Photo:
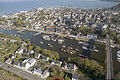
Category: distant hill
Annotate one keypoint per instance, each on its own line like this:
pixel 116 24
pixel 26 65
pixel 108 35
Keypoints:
pixel 112 0
pixel 116 7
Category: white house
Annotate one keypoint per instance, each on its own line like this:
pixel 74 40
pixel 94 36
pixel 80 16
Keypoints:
pixel 9 61
pixel 30 63
pixel 37 55
pixel 12 40
pixel 31 51
pixel 44 58
pixel 45 74
pixel 38 71
pixel 58 63
pixel 20 50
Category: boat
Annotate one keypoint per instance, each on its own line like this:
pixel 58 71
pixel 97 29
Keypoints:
pixel 53 39
pixel 50 45
pixel 46 37
pixel 60 41
pixel 68 50
pixel 77 49
pixel 85 48
pixel 118 58
pixel 80 42
pixel 96 50
pixel 19 35
pixel 83 56
pixel 118 54
pixel 41 42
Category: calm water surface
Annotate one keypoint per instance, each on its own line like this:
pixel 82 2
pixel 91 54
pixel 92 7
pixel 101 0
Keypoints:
pixel 12 7
pixel 56 46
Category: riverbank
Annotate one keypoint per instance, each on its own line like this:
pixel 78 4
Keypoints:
pixel 21 30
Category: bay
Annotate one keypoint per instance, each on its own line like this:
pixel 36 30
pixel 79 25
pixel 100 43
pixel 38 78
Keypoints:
pixel 8 7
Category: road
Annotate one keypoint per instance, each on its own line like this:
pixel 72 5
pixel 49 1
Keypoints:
pixel 19 72
pixel 109 64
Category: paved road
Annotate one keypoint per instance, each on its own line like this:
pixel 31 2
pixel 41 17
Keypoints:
pixel 109 64
pixel 19 72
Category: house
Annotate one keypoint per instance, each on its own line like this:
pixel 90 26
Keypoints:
pixel 20 50
pixel 105 26
pixel 44 58
pixel 70 67
pixel 58 63
pixel 75 77
pixel 9 61
pixel 37 55
pixel 18 64
pixel 38 71
pixel 45 74
pixel 93 37
pixel 30 63
pixel 29 52
pixel 12 40
pixel 13 56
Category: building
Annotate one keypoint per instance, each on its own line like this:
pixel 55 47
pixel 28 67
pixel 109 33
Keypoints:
pixel 75 77
pixel 38 71
pixel 45 74
pixel 9 61
pixel 58 63
pixel 70 67
pixel 20 50
pixel 93 37
pixel 30 63
pixel 37 55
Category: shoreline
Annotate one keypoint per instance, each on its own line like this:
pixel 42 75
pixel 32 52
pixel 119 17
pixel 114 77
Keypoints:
pixel 73 6
pixel 20 30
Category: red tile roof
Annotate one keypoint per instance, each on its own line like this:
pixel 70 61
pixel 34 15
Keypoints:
pixel 57 78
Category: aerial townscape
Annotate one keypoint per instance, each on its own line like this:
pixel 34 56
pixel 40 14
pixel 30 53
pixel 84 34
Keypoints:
pixel 60 43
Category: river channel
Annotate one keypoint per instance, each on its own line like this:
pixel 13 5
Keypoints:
pixel 29 35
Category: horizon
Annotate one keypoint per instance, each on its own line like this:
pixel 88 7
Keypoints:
pixel 35 0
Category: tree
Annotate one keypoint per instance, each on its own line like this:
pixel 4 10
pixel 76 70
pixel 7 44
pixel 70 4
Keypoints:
pixel 30 47
pixel 69 59
pixel 86 63
pixel 66 77
pixel 37 49
pixel 19 22
pixel 117 77
pixel 61 74
pixel 113 35
pixel 118 40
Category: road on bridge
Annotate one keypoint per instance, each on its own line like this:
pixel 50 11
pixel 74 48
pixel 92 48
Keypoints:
pixel 109 64
pixel 19 72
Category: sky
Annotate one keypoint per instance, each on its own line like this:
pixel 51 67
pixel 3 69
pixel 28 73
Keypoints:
pixel 25 0
pixel 14 0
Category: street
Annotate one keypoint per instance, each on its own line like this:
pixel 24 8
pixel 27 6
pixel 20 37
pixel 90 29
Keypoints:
pixel 109 64
pixel 19 72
